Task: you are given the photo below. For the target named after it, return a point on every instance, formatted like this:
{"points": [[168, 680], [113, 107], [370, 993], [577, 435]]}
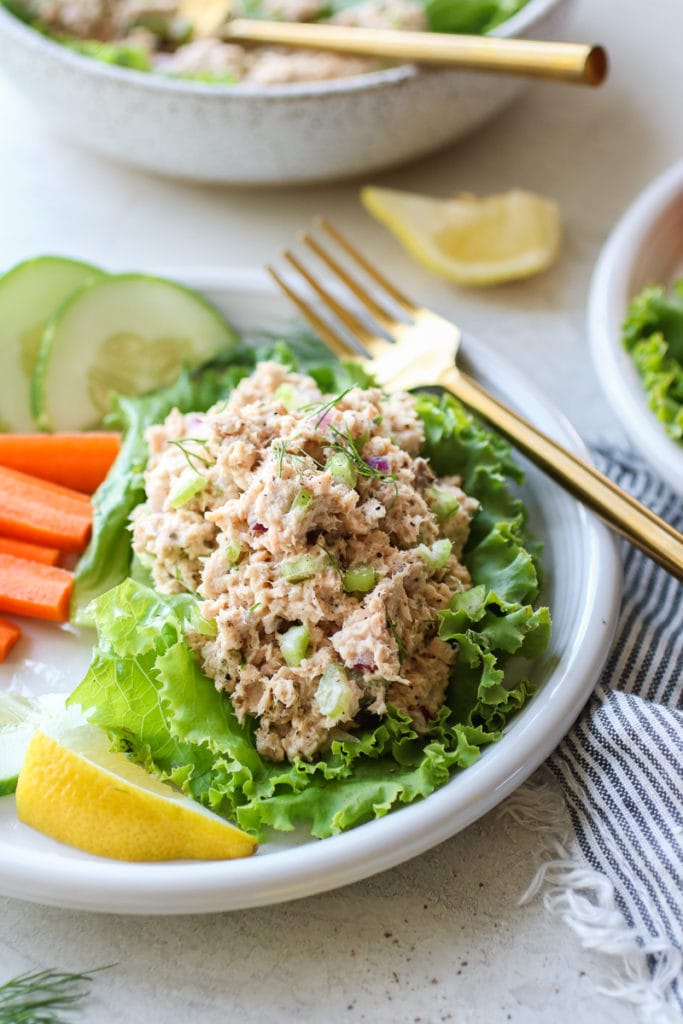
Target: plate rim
{"points": [[100, 885], [607, 294]]}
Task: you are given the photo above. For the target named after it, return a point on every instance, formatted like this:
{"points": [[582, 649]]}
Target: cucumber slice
{"points": [[29, 295], [129, 333], [19, 719]]}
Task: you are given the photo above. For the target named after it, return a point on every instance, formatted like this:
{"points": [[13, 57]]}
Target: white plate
{"points": [[583, 589], [645, 247]]}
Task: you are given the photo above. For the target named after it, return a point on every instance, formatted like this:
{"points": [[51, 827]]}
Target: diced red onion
{"points": [[323, 422], [258, 528], [365, 663], [378, 462]]}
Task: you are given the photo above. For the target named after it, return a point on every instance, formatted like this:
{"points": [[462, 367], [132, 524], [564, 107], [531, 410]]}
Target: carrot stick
{"points": [[43, 513], [9, 634], [78, 461], [33, 552], [46, 485], [39, 591]]}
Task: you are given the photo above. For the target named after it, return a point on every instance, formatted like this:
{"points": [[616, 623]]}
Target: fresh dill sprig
{"points": [[281, 451], [320, 411], [44, 997], [300, 455], [400, 646], [332, 559], [190, 455]]}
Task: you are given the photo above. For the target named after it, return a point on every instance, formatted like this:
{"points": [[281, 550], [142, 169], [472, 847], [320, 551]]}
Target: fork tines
{"points": [[377, 318]]}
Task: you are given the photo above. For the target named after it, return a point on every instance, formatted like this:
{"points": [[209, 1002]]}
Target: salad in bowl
{"points": [[166, 36]]}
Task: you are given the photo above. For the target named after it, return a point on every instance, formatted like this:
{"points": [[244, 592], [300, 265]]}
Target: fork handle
{"points": [[634, 521]]}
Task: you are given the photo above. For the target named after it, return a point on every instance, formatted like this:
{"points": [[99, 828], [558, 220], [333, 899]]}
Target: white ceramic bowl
{"points": [[645, 247], [253, 135], [582, 587]]}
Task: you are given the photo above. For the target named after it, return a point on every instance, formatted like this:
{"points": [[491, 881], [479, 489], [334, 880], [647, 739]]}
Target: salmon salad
{"points": [[322, 546], [161, 36]]}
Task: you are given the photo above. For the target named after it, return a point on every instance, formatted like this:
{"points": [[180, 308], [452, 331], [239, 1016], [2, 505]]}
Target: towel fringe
{"points": [[583, 898]]}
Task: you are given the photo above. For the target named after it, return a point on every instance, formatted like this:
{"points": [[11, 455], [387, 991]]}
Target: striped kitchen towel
{"points": [[621, 766]]}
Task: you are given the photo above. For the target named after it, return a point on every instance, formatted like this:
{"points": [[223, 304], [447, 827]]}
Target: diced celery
{"points": [[294, 570], [301, 501], [290, 397], [233, 551], [189, 484], [437, 556], [145, 558], [334, 695], [207, 627], [168, 29], [342, 468], [359, 579], [442, 503], [294, 645]]}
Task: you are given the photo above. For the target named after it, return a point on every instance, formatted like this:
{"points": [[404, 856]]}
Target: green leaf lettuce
{"points": [[653, 334]]}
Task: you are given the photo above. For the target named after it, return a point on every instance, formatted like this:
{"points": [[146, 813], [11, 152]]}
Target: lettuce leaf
{"points": [[472, 17], [146, 688], [653, 333]]}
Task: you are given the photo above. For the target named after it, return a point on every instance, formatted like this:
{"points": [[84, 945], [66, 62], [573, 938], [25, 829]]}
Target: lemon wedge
{"points": [[73, 788], [468, 239]]}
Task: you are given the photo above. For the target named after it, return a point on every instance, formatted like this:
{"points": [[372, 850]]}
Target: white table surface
{"points": [[440, 938]]}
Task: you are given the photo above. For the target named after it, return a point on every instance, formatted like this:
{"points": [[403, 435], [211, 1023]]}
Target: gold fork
{"points": [[422, 353]]}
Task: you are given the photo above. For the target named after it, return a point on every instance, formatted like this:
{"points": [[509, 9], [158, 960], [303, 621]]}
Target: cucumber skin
{"points": [[8, 786], [38, 410], [51, 258], [20, 268]]}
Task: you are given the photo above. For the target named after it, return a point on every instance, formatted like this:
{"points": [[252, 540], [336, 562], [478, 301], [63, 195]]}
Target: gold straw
{"points": [[568, 62]]}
